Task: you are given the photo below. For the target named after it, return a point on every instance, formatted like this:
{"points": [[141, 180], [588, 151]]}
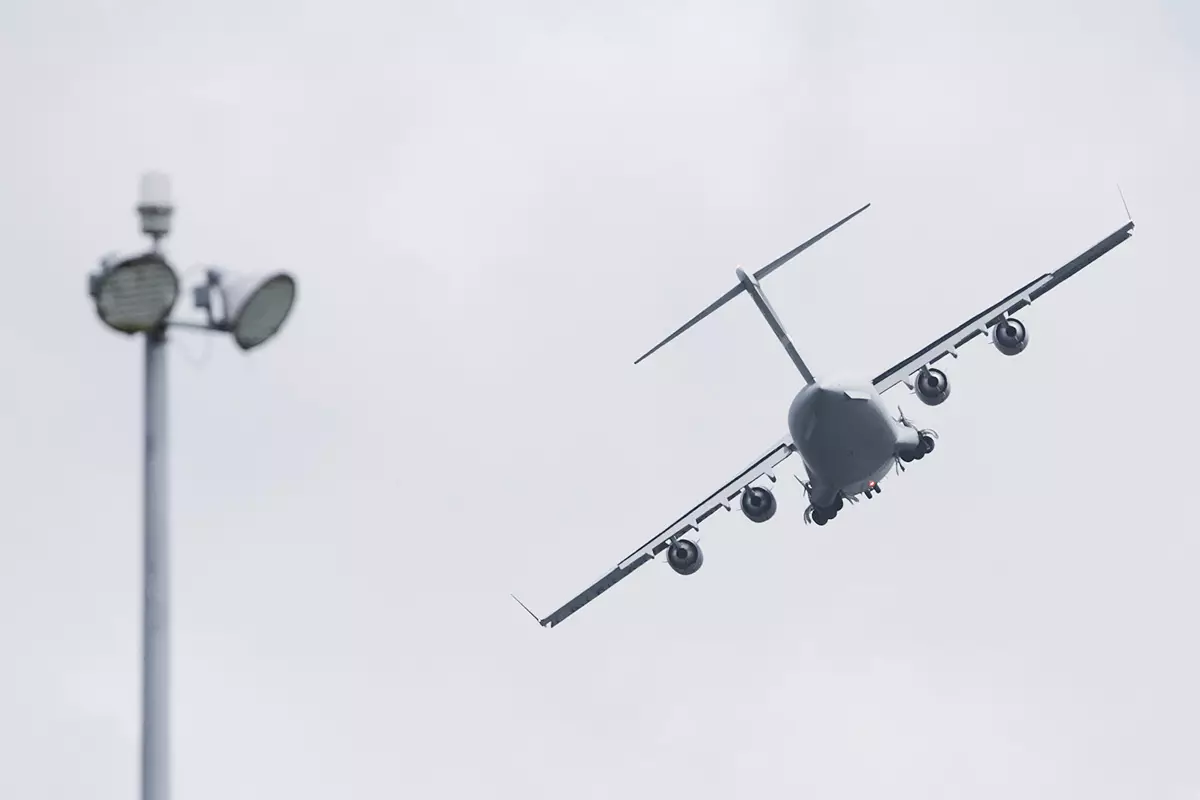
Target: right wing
{"points": [[948, 345], [690, 521]]}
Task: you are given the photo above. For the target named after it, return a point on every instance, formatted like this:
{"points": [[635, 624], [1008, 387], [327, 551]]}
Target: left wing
{"points": [[690, 521], [948, 345]]}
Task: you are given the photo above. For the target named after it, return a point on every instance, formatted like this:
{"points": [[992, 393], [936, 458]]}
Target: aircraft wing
{"points": [[948, 345], [690, 521]]}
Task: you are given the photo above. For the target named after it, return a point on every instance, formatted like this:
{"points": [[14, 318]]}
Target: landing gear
{"points": [[925, 444], [925, 439], [822, 514]]}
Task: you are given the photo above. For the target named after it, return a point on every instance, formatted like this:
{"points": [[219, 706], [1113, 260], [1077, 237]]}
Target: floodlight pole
{"points": [[156, 572], [156, 577], [155, 210]]}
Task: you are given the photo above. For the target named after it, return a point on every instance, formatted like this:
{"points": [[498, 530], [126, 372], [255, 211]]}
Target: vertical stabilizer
{"points": [[764, 308]]}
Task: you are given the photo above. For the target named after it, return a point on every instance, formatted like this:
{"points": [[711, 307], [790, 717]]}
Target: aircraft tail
{"points": [[750, 284]]}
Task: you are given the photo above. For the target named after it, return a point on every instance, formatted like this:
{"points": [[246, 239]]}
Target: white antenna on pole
{"points": [[154, 205]]}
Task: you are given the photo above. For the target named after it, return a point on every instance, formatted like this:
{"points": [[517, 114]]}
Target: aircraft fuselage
{"points": [[846, 438]]}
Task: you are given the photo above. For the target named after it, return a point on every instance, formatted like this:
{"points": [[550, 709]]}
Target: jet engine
{"points": [[1010, 337], [758, 503], [685, 556], [933, 387]]}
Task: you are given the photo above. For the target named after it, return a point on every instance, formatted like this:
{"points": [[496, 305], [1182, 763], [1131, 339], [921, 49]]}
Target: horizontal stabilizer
{"points": [[788, 256], [741, 287], [722, 300]]}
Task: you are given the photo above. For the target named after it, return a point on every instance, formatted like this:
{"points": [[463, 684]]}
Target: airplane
{"points": [[847, 440]]}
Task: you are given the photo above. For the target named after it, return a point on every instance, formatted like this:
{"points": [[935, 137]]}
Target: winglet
{"points": [[527, 611], [1127, 214]]}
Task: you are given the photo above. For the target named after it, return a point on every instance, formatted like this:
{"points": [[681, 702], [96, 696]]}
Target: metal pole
{"points": [[156, 577]]}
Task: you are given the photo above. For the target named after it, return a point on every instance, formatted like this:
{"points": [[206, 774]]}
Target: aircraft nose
{"points": [[818, 393], [805, 400]]}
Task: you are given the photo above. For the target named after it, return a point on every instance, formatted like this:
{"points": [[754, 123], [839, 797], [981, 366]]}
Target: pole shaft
{"points": [[156, 577]]}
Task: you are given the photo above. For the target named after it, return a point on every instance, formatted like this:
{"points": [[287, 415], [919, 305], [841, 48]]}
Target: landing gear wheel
{"points": [[926, 443], [818, 516]]}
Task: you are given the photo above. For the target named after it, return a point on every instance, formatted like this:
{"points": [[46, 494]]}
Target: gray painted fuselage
{"points": [[846, 438]]}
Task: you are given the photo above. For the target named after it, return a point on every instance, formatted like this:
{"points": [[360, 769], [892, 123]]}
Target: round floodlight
{"points": [[137, 295], [257, 307]]}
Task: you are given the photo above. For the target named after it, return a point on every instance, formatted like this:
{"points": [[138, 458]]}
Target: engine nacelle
{"points": [[932, 386], [685, 556], [758, 504], [1010, 337]]}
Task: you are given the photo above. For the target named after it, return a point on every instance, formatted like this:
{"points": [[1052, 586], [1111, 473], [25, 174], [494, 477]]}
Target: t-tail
{"points": [[750, 284]]}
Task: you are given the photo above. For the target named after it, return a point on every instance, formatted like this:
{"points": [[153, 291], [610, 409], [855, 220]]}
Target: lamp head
{"points": [[254, 307], [135, 295]]}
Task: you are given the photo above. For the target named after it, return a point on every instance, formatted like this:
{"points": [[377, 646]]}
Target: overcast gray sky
{"points": [[493, 208]]}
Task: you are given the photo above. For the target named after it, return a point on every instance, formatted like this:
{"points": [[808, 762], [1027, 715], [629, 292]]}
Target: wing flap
{"points": [[980, 324], [720, 499]]}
